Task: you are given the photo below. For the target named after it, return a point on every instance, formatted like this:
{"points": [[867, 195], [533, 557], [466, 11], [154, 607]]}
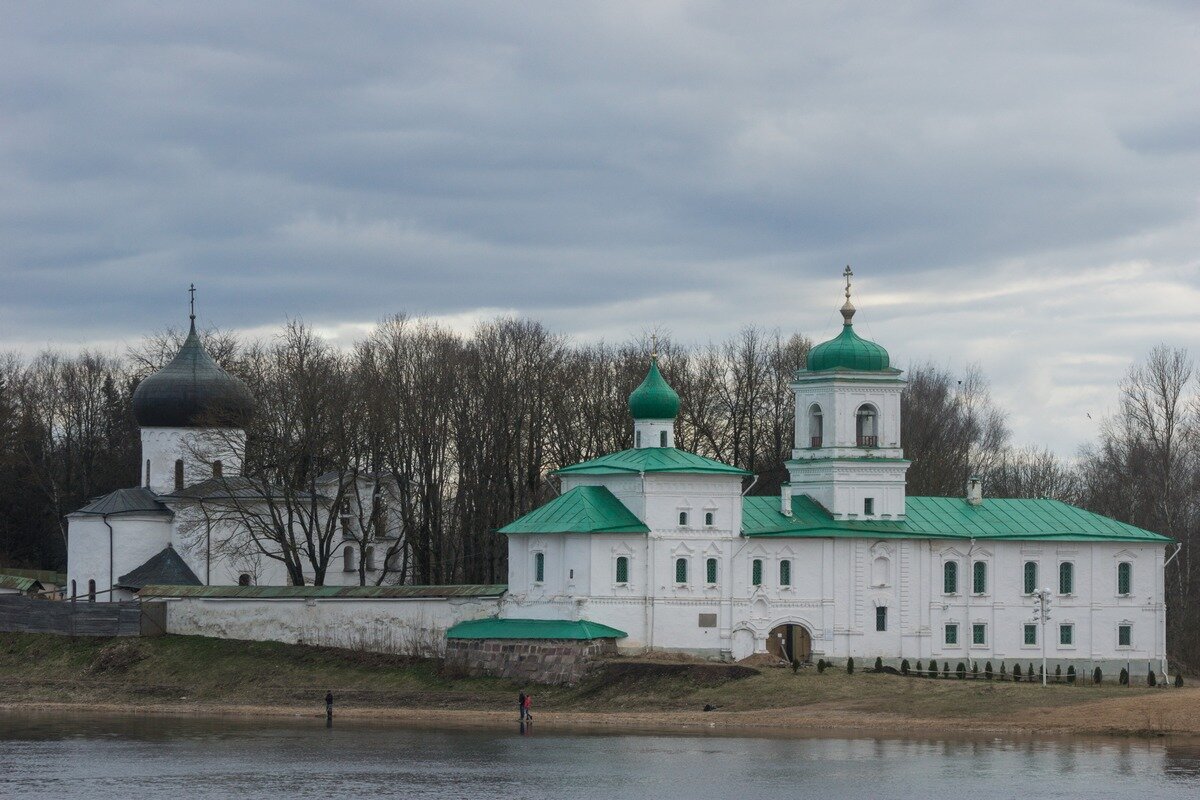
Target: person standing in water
{"points": [[528, 704]]}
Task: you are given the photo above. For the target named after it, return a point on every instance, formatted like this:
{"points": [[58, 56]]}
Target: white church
{"points": [[655, 548]]}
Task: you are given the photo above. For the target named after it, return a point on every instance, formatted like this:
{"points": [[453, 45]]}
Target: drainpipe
{"points": [[111, 578], [1162, 608], [970, 587], [649, 612]]}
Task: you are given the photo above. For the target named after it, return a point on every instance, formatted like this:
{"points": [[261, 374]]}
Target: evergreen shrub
{"points": [[1124, 679], [946, 670], [1071, 674], [821, 665], [1030, 673], [918, 667], [961, 669], [987, 670], [1097, 676], [850, 666], [1178, 679], [904, 667], [933, 670], [1017, 673], [1003, 672], [975, 670], [1058, 673], [878, 664], [1151, 680]]}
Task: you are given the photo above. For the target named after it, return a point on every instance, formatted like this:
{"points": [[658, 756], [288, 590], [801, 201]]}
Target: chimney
{"points": [[974, 490], [785, 499]]}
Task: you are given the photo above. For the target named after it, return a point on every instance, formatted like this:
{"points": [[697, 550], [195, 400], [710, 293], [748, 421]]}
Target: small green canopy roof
{"points": [[848, 350], [945, 518], [654, 398], [650, 459], [584, 509], [533, 629]]}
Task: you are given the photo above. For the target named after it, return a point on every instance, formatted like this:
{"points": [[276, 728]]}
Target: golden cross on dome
{"points": [[848, 273], [192, 301]]}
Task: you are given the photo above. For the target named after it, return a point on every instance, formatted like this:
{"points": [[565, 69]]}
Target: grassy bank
{"points": [[199, 675]]}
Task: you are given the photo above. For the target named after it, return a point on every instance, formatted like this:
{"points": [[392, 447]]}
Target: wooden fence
{"points": [[130, 618]]}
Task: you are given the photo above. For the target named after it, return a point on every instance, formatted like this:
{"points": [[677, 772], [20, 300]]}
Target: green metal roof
{"points": [[336, 592], [650, 459], [532, 629], [654, 398], [19, 583], [42, 575], [584, 509], [945, 518], [848, 350]]}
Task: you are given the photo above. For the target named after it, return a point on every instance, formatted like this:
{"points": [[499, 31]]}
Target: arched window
{"points": [[866, 426], [218, 469], [756, 572], [816, 426], [785, 573], [950, 577], [681, 570], [74, 591], [179, 473], [683, 519], [881, 570], [369, 558], [708, 518], [979, 578], [1125, 578], [91, 591], [244, 579], [539, 567], [710, 571], [348, 558], [147, 476], [662, 438], [622, 569], [1030, 577], [1066, 578]]}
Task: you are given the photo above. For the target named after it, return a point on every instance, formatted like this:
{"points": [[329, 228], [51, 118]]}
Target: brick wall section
{"points": [[528, 660]]}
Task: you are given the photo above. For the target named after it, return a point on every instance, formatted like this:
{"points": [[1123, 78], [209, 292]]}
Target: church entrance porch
{"points": [[790, 643]]}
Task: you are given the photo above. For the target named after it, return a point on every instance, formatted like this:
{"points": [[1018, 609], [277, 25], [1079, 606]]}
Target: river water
{"points": [[67, 757]]}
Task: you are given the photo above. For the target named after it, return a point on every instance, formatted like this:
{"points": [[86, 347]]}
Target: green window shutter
{"points": [[1066, 634], [711, 570], [785, 573], [1124, 578], [756, 572], [1031, 634], [950, 577], [979, 633], [622, 569], [681, 570], [881, 618], [951, 633], [979, 579], [1030, 577], [1124, 635], [1066, 578], [539, 567]]}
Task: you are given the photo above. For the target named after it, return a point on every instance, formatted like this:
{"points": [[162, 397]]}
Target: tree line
{"points": [[470, 426]]}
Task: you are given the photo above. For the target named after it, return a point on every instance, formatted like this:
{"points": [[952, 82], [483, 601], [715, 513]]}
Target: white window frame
{"points": [[980, 645], [1074, 639], [1125, 624], [957, 643]]}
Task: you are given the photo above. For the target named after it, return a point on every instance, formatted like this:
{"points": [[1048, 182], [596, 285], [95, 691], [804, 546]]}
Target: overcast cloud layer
{"points": [[1015, 185]]}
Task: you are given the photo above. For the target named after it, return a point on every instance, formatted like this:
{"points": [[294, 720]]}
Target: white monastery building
{"points": [[655, 548]]}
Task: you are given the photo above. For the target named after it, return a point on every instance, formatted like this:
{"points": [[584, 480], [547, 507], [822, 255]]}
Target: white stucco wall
{"points": [[135, 538], [404, 626], [198, 448]]}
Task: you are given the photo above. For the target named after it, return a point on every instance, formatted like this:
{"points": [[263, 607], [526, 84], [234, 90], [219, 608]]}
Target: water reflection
{"points": [[88, 757]]}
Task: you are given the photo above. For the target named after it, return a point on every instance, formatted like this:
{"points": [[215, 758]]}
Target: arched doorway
{"points": [[790, 642]]}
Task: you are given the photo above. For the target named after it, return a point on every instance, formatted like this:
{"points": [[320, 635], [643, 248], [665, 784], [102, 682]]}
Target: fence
{"points": [[130, 618]]}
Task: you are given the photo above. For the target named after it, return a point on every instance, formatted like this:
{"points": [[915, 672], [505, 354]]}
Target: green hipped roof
{"points": [[650, 459], [584, 509], [945, 518], [654, 398], [532, 629], [848, 350]]}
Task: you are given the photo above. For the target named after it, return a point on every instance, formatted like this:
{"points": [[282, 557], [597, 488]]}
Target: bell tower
{"points": [[847, 453]]}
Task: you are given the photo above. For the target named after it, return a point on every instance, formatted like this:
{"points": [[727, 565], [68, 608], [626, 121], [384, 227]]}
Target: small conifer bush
{"points": [[1097, 676], [850, 666], [1017, 673], [1071, 674], [878, 664], [987, 670], [918, 666], [1178, 679], [1151, 680], [904, 667], [961, 669], [1124, 679], [975, 670], [1030, 672], [1003, 672], [946, 670], [1058, 673], [933, 670], [821, 665]]}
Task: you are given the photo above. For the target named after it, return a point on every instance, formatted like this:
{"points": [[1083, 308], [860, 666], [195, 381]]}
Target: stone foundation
{"points": [[528, 660]]}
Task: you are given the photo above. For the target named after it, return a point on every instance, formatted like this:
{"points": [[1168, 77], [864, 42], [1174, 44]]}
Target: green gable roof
{"points": [[584, 509], [532, 629], [945, 518], [650, 459]]}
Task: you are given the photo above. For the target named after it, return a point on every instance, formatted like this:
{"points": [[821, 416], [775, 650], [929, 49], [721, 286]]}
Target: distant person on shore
{"points": [[521, 706], [526, 705], [329, 704]]}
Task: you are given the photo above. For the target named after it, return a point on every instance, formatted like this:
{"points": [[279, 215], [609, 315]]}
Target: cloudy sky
{"points": [[1016, 185]]}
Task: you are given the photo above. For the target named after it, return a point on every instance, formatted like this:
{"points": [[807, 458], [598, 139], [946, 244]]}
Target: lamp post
{"points": [[1041, 614]]}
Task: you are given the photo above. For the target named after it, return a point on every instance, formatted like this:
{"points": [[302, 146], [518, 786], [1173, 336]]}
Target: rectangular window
{"points": [[785, 573], [1066, 578], [881, 618], [868, 506], [1124, 578], [1124, 635], [756, 572], [622, 569], [979, 633], [710, 571], [539, 568], [1031, 634], [1030, 577], [952, 633], [1066, 635]]}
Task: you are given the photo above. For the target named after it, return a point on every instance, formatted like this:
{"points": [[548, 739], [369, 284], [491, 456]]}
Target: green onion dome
{"points": [[848, 350], [654, 398]]}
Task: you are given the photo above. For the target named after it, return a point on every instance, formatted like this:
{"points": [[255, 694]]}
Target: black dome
{"points": [[192, 391]]}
